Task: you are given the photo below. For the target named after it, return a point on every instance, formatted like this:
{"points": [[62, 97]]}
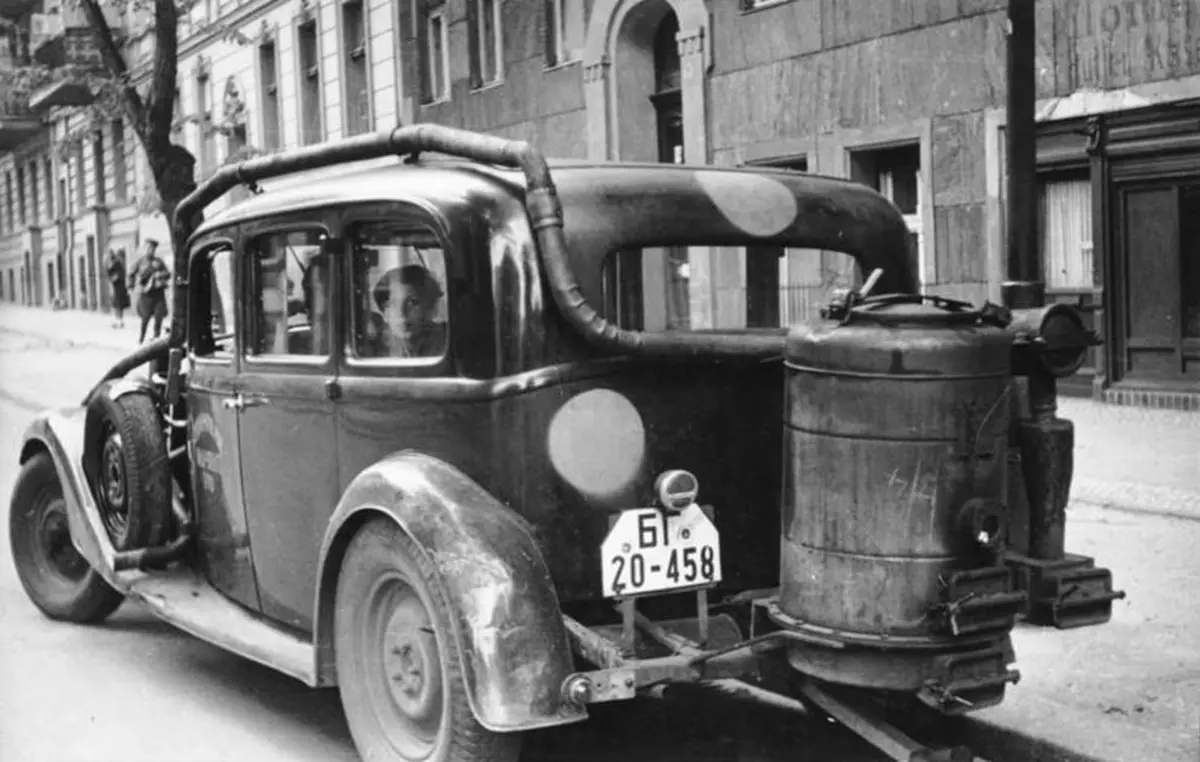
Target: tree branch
{"points": [[115, 63]]}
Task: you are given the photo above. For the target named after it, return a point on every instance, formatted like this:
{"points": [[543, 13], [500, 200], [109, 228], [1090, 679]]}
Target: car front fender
{"points": [[507, 624], [62, 434]]}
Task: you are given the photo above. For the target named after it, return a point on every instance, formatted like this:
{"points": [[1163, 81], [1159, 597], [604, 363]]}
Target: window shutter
{"points": [[423, 62], [473, 43], [552, 25]]}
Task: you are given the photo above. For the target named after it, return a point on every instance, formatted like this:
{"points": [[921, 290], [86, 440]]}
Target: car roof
{"points": [[435, 175]]}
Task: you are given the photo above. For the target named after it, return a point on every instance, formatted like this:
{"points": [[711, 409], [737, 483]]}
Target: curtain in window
{"points": [[1065, 219]]}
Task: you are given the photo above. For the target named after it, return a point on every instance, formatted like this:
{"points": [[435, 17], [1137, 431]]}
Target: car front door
{"points": [[213, 447], [288, 431]]}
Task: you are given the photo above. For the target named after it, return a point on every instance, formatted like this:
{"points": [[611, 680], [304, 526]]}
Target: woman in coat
{"points": [[115, 266]]}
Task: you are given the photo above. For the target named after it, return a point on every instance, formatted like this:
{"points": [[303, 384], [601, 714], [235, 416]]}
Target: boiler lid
{"points": [[904, 334]]}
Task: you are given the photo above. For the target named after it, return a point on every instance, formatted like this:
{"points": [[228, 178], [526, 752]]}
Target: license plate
{"points": [[652, 551]]}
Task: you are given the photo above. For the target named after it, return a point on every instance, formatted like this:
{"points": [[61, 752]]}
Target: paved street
{"points": [[137, 689]]}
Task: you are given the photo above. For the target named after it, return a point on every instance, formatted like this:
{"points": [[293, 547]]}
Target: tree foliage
{"points": [[144, 96]]}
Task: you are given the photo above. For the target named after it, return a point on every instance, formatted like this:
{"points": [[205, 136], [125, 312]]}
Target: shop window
{"points": [[433, 42], [484, 36], [1065, 231], [565, 31], [289, 295]]}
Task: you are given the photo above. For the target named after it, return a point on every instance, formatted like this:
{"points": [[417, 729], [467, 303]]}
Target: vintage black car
{"points": [[434, 431]]}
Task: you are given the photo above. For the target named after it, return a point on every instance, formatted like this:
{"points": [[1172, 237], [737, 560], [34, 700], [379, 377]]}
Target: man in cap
{"points": [[152, 278]]}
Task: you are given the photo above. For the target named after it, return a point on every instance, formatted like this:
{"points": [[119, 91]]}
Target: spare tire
{"points": [[128, 463]]}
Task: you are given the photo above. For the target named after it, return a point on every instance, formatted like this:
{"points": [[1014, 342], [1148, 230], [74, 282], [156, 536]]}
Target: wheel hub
{"points": [[54, 541], [115, 507], [409, 663], [404, 664]]}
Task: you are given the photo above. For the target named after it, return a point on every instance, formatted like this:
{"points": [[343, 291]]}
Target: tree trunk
{"points": [[173, 174]]}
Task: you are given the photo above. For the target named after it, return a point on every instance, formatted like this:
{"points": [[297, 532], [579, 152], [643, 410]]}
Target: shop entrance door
{"points": [[1158, 276]]}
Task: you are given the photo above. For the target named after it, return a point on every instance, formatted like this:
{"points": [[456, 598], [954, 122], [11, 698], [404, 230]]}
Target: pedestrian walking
{"points": [[115, 266], [151, 277]]}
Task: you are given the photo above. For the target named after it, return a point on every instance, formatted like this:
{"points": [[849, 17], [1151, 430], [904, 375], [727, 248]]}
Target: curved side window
{"points": [[216, 326]]}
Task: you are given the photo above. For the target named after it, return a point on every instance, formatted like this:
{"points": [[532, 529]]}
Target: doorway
{"points": [[647, 289], [1157, 267]]}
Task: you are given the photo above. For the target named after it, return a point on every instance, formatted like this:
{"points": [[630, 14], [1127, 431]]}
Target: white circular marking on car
{"points": [[597, 442], [757, 204]]}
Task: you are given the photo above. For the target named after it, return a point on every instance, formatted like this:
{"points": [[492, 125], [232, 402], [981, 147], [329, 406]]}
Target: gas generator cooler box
{"points": [[897, 413]]}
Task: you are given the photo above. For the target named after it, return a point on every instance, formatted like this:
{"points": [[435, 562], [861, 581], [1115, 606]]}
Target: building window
{"points": [[896, 173], [35, 211], [80, 188], [207, 163], [565, 31], [21, 196], [1065, 227], [98, 164], [433, 41], [120, 171], [268, 76], [484, 38], [8, 220], [63, 210], [310, 84], [48, 186], [358, 94]]}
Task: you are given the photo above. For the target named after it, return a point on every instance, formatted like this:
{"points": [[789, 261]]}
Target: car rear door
{"points": [[287, 386]]}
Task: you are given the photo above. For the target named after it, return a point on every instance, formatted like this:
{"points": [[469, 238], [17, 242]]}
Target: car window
{"points": [[289, 287], [671, 288], [398, 292], [216, 289]]}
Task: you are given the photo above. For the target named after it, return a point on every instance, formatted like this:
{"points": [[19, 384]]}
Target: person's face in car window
{"points": [[410, 303]]}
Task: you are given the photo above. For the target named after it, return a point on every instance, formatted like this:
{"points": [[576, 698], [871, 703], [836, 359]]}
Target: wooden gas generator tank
{"points": [[896, 417]]}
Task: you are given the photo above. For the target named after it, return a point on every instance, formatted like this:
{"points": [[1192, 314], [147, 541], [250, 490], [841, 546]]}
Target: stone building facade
{"points": [[906, 95]]}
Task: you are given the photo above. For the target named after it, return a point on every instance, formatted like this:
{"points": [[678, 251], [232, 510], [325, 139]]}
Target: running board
{"points": [[183, 599]]}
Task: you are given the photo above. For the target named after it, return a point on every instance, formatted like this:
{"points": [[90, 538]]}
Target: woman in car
{"points": [[408, 298]]}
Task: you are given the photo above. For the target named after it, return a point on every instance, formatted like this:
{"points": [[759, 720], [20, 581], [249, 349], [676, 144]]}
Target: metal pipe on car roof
{"points": [[545, 213]]}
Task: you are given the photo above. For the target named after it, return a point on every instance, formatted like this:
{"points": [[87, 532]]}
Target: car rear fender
{"points": [[506, 620]]}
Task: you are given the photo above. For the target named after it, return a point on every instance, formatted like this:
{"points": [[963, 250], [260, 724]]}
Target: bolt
{"points": [[579, 691], [629, 682]]}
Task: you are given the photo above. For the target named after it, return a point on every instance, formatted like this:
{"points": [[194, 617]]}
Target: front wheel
{"points": [[55, 576], [399, 672]]}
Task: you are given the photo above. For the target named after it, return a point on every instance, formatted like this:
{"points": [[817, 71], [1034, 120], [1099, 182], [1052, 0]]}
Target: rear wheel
{"points": [[398, 668], [55, 576]]}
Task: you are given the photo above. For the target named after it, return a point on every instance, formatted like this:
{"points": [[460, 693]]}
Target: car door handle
{"points": [[239, 402]]}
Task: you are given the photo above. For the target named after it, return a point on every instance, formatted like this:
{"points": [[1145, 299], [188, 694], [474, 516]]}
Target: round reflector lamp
{"points": [[676, 489]]}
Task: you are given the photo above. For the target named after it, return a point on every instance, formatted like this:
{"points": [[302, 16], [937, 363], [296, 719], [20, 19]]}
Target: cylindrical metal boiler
{"points": [[895, 452]]}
